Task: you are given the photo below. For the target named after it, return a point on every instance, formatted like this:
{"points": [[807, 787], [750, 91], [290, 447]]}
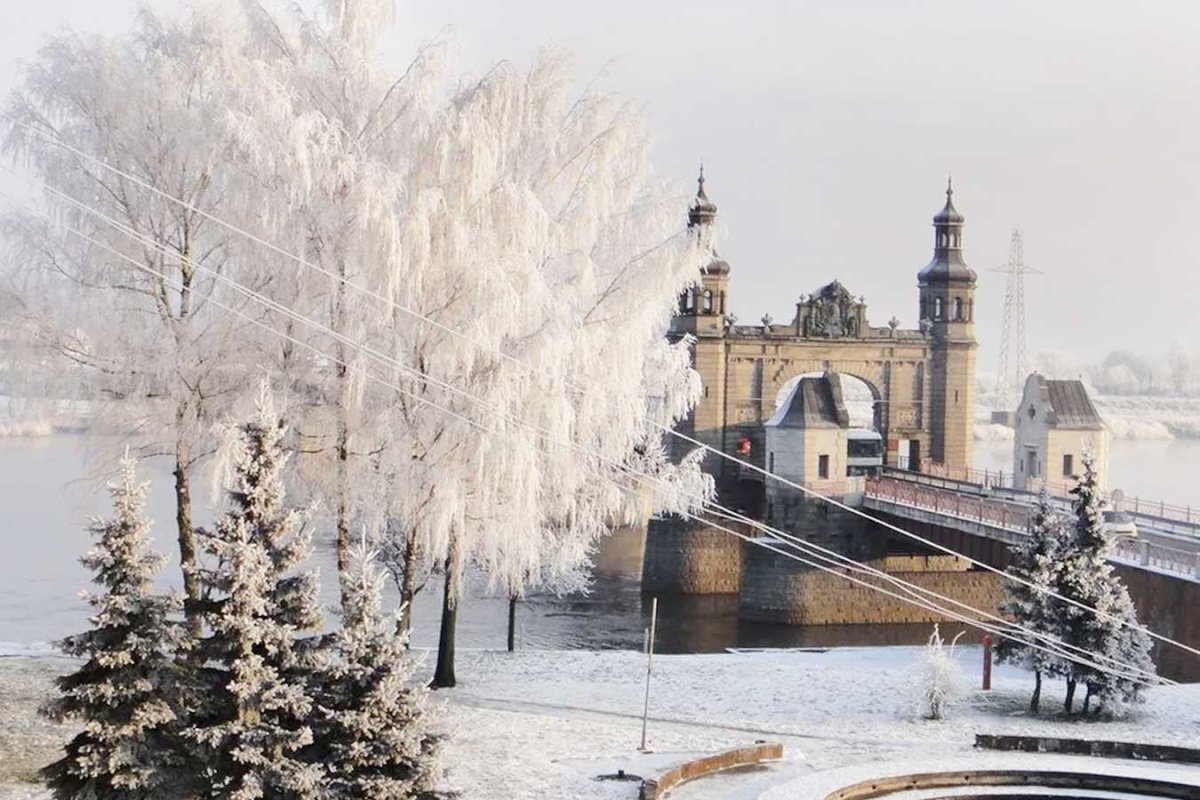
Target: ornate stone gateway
{"points": [[922, 380]]}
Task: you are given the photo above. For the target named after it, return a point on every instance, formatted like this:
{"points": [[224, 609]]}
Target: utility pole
{"points": [[1012, 368]]}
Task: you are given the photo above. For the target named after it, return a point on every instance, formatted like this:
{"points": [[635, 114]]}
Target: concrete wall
{"points": [[1169, 606]]}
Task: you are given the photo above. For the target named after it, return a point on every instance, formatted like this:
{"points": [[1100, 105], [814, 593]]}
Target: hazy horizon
{"points": [[827, 131]]}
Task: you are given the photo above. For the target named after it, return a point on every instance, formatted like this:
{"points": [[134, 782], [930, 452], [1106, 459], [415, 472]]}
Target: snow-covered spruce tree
{"points": [[940, 683], [1086, 577], [372, 723], [253, 708], [1035, 561], [147, 104], [123, 694]]}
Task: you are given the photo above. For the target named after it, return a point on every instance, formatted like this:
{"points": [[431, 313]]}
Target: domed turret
{"points": [[947, 264], [702, 307], [702, 215]]}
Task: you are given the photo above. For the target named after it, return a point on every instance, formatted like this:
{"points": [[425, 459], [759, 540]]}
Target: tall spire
{"points": [[702, 211], [947, 263]]}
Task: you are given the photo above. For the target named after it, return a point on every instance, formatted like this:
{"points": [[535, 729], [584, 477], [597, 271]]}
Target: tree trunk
{"points": [[1037, 692], [443, 673], [1069, 703], [343, 501], [1087, 700], [187, 536], [408, 585], [512, 622], [343, 436]]}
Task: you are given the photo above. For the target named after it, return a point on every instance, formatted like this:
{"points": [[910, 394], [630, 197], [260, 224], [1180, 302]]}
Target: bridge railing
{"points": [[977, 509], [1159, 514], [1008, 516]]}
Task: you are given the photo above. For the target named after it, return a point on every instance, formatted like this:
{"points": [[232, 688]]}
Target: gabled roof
{"points": [[1070, 407], [814, 402]]}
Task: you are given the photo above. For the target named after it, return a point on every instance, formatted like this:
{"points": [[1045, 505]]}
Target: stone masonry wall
{"points": [[778, 589], [685, 557]]}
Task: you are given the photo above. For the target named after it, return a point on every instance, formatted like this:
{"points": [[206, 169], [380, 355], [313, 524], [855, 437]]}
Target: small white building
{"points": [[1056, 423], [806, 439]]}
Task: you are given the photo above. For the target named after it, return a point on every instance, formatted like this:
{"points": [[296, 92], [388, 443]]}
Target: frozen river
{"points": [[44, 505]]}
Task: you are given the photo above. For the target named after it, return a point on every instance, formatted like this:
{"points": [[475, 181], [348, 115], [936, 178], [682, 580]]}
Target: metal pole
{"points": [[649, 661]]}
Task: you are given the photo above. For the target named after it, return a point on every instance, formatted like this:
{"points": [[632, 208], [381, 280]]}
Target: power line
{"points": [[667, 430], [914, 599]]}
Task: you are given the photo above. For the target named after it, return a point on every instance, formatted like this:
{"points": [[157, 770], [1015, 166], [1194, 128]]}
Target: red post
{"points": [[987, 662]]}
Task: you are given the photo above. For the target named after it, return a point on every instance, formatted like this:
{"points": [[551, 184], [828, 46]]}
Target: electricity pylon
{"points": [[1012, 366]]}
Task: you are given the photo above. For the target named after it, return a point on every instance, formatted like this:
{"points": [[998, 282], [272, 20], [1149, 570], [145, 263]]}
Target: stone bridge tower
{"points": [[947, 309]]}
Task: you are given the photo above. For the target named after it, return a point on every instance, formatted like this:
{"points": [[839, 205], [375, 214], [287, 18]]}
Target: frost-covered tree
{"points": [[123, 693], [940, 682], [130, 313], [372, 723], [587, 259], [253, 705], [1028, 601], [1086, 577]]}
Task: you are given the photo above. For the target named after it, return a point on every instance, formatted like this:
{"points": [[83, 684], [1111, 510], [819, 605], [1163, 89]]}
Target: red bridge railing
{"points": [[1017, 518]]}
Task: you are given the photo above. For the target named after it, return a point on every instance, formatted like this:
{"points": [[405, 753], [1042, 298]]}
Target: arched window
{"points": [[937, 308], [689, 301], [708, 301], [958, 315]]}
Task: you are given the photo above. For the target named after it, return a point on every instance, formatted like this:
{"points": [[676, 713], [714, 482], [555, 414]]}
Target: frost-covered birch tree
{"points": [[329, 135], [540, 205], [130, 307], [123, 692], [1036, 562]]}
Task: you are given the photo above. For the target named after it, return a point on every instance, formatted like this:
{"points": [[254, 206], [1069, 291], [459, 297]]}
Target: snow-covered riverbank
{"points": [[544, 723]]}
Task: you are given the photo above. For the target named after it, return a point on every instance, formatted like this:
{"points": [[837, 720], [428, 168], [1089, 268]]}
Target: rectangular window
{"points": [[1068, 465], [771, 462], [822, 466]]}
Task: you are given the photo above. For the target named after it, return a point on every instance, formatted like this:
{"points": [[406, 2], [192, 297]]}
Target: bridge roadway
{"points": [[1169, 544]]}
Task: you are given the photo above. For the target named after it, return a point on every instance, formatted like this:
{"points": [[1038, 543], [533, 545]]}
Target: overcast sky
{"points": [[827, 130]]}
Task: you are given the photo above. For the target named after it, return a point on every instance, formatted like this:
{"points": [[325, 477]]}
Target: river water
{"points": [[45, 501]]}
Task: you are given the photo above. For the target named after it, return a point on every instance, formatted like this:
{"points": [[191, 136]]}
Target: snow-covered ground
{"points": [[545, 723]]}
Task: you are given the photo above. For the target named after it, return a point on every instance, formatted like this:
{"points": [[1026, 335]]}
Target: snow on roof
{"points": [[814, 402], [1070, 405]]}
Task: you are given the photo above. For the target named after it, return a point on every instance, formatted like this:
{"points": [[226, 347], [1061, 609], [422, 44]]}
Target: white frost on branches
{"points": [[940, 681]]}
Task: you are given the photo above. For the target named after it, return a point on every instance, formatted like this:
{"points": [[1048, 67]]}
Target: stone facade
{"points": [[1049, 443], [778, 589], [922, 379], [684, 557]]}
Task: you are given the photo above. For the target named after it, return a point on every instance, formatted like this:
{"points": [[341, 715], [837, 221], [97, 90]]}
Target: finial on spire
{"points": [[949, 184], [700, 182]]}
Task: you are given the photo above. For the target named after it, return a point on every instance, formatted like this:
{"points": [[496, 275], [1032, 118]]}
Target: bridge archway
{"points": [[922, 379], [863, 400]]}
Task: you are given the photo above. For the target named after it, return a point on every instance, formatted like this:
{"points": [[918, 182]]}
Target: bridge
{"points": [[1168, 538], [982, 518]]}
